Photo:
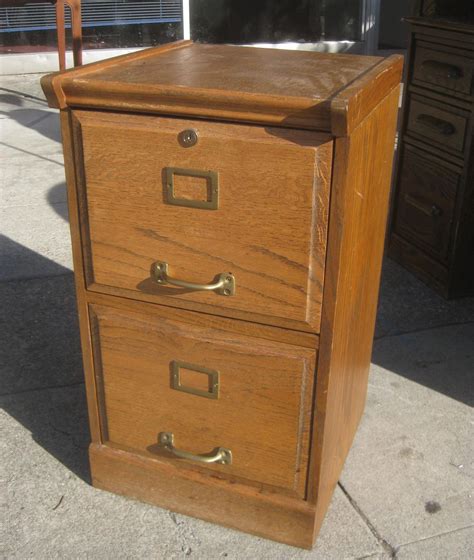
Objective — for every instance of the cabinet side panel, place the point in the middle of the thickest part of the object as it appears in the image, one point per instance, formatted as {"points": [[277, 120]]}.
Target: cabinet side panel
{"points": [[84, 325], [360, 193]]}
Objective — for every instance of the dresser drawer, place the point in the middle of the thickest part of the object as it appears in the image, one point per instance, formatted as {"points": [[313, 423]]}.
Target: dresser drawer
{"points": [[439, 126], [210, 389], [444, 70], [243, 203], [426, 202]]}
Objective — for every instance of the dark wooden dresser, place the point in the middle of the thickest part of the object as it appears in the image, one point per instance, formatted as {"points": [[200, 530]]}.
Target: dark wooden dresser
{"points": [[228, 209], [432, 231]]}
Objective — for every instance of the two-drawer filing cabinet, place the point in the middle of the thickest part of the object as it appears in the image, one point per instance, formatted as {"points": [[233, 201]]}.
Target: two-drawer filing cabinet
{"points": [[227, 209]]}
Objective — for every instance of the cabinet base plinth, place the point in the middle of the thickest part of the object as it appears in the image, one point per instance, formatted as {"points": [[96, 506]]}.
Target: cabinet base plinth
{"points": [[235, 505]]}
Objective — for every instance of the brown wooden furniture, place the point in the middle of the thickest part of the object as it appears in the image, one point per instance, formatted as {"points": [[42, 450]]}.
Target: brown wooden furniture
{"points": [[432, 232], [263, 176], [76, 27], [75, 7]]}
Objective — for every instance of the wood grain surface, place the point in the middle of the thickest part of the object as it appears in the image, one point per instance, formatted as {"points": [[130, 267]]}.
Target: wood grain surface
{"points": [[356, 101], [51, 83], [269, 229], [79, 275], [267, 332], [296, 89], [262, 413], [300, 223], [225, 502], [361, 188]]}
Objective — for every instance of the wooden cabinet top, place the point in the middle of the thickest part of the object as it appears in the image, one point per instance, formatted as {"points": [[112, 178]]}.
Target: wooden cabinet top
{"points": [[328, 92]]}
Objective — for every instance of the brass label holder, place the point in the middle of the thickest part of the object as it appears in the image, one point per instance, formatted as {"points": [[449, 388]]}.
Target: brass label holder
{"points": [[212, 375], [212, 202]]}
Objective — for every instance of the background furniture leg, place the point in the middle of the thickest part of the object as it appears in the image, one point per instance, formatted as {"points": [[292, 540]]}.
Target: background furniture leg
{"points": [[75, 6], [61, 33]]}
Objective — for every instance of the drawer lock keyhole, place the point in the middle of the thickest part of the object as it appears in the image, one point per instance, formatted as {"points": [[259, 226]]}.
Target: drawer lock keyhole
{"points": [[188, 137]]}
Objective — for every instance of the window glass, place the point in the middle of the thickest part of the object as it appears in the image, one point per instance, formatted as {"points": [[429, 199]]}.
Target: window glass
{"points": [[250, 21], [105, 24]]}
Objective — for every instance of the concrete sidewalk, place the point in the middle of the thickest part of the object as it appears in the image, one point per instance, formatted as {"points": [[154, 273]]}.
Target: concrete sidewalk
{"points": [[406, 490]]}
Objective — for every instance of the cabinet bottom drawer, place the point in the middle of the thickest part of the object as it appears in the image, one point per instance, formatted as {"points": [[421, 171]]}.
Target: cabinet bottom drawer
{"points": [[204, 398]]}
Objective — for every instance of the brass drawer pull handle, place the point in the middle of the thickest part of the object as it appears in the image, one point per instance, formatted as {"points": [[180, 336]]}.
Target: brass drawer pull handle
{"points": [[442, 127], [219, 455], [224, 285], [441, 68], [432, 210]]}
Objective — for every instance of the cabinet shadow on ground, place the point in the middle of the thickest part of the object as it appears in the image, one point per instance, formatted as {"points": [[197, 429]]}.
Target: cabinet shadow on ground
{"points": [[437, 335], [41, 368], [42, 379]]}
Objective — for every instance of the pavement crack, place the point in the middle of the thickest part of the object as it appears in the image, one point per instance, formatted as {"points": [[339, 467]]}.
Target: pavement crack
{"points": [[67, 272], [34, 389], [59, 503], [172, 515], [71, 436], [458, 529], [385, 544], [39, 119], [424, 329], [459, 469], [25, 95], [32, 154], [189, 541]]}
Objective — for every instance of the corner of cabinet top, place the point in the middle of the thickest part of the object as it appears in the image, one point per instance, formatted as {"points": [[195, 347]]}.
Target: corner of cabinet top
{"points": [[274, 87]]}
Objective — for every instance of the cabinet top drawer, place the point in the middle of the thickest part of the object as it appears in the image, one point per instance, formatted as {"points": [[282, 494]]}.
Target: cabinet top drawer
{"points": [[268, 86], [225, 219], [445, 71]]}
